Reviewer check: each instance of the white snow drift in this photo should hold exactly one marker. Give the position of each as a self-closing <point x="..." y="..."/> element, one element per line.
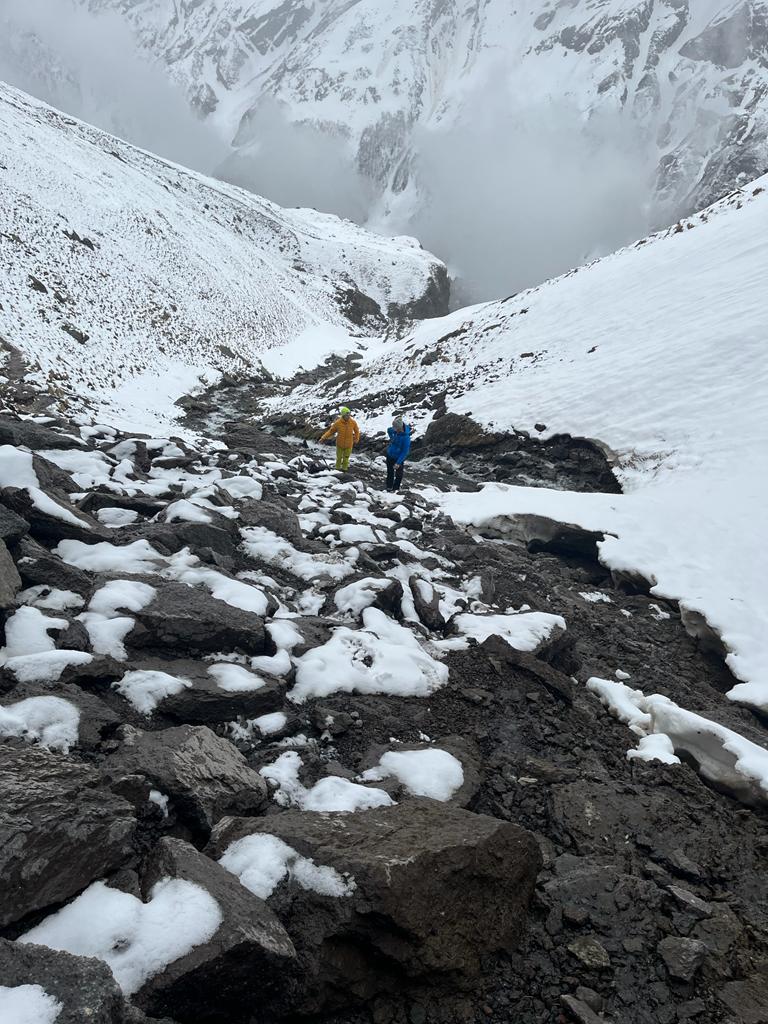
<point x="329" y="794"/>
<point x="261" y="862"/>
<point x="28" y="1004"/>
<point x="51" y="721"/>
<point x="383" y="657"/>
<point x="30" y="653"/>
<point x="723" y="756"/>
<point x="133" y="938"/>
<point x="434" y="773"/>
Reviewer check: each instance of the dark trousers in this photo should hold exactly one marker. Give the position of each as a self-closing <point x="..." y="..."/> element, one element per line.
<point x="394" y="474"/>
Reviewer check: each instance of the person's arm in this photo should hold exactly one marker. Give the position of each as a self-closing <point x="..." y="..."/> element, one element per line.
<point x="406" y="447"/>
<point x="355" y="432"/>
<point x="331" y="431"/>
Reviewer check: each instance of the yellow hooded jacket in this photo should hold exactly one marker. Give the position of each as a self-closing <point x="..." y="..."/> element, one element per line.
<point x="347" y="432"/>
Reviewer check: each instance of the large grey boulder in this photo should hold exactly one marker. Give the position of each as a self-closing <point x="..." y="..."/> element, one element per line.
<point x="682" y="956"/>
<point x="52" y="478"/>
<point x="38" y="566"/>
<point x="220" y="535"/>
<point x="205" y="776"/>
<point x="12" y="526"/>
<point x="50" y="528"/>
<point x="34" y="435"/>
<point x="274" y="516"/>
<point x="241" y="966"/>
<point x="10" y="581"/>
<point x="188" y="620"/>
<point x="83" y="986"/>
<point x="205" y="701"/>
<point x="59" y="829"/>
<point x="434" y="888"/>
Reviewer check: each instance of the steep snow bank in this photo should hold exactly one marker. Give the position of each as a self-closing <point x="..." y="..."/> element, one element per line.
<point x="126" y="278"/>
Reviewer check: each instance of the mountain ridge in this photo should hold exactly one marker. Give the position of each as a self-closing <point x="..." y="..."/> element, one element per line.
<point x="693" y="77"/>
<point x="123" y="269"/>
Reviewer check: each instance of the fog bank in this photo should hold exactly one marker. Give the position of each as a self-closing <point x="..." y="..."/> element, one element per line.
<point x="514" y="197"/>
<point x="90" y="66"/>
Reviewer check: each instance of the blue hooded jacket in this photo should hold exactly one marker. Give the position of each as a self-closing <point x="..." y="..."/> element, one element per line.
<point x="399" y="443"/>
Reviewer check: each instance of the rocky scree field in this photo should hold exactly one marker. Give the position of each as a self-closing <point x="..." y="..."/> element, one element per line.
<point x="278" y="745"/>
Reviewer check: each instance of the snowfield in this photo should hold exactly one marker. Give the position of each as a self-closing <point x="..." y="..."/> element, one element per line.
<point x="658" y="352"/>
<point x="127" y="279"/>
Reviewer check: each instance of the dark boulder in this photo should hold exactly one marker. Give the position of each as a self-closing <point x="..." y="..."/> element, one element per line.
<point x="95" y="500"/>
<point x="581" y="1011"/>
<point x="205" y="776"/>
<point x="191" y="621"/>
<point x="315" y="631"/>
<point x="531" y="669"/>
<point x="10" y="581"/>
<point x="34" y="435"/>
<point x="240" y="967"/>
<point x="427" y="602"/>
<point x="12" y="526"/>
<point x="52" y="478"/>
<point x="383" y="552"/>
<point x="435" y="887"/>
<point x="84" y="986"/>
<point x="205" y="702"/>
<point x="275" y="516"/>
<point x="60" y="829"/>
<point x="38" y="566"/>
<point x="221" y="536"/>
<point x="452" y="431"/>
<point x="682" y="956"/>
<point x="390" y="599"/>
<point x="52" y="527"/>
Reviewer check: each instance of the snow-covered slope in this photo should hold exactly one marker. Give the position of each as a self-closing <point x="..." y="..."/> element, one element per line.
<point x="125" y="278"/>
<point x="659" y="351"/>
<point x="694" y="73"/>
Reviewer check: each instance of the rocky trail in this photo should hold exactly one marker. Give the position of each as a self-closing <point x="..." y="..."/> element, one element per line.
<point x="277" y="745"/>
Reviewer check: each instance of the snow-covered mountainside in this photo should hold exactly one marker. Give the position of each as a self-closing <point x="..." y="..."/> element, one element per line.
<point x="693" y="73"/>
<point x="126" y="278"/>
<point x="659" y="352"/>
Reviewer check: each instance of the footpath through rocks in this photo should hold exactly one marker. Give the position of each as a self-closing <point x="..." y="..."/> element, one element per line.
<point x="277" y="745"/>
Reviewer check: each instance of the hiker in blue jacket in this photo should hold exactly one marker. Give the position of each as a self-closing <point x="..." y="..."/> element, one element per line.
<point x="397" y="452"/>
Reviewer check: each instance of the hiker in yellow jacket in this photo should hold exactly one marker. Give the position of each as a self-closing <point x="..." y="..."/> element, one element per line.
<point x="347" y="435"/>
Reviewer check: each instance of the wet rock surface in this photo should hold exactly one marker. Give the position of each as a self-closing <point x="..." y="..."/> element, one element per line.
<point x="241" y="964"/>
<point x="528" y="871"/>
<point x="83" y="987"/>
<point x="195" y="622"/>
<point x="432" y="889"/>
<point x="61" y="829"/>
<point x="204" y="774"/>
